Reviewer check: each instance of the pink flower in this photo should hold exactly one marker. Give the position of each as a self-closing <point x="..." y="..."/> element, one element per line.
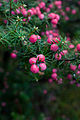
<point x="78" y="72"/>
<point x="67" y="9"/>
<point x="54" y="76"/>
<point x="34" y="68"/>
<point x="49" y="40"/>
<point x="71" y="46"/>
<point x="57" y="17"/>
<point x="55" y="34"/>
<point x="50" y="80"/>
<point x="66" y="18"/>
<point x="42" y="33"/>
<point x="17" y="11"/>
<point x="32" y="60"/>
<point x="43" y="66"/>
<point x="47" y="32"/>
<point x="34" y="11"/>
<point x="38" y="12"/>
<point x="78" y="47"/>
<point x="24" y="12"/>
<point x="41" y="16"/>
<point x="5" y="21"/>
<point x="41" y="57"/>
<point x="50" y="31"/>
<point x="54" y="21"/>
<point x="72" y="67"/>
<point x="60" y="81"/>
<point x="63" y="13"/>
<point x="58" y="3"/>
<point x="42" y="5"/>
<point x="72" y="82"/>
<point x="54" y="47"/>
<point x="24" y="20"/>
<point x="30" y="11"/>
<point x="73" y="11"/>
<point x="38" y="37"/>
<point x="68" y="38"/>
<point x="33" y="38"/>
<point x="13" y="55"/>
<point x="78" y="85"/>
<point x="52" y="15"/>
<point x="0" y="4"/>
<point x="59" y="6"/>
<point x="58" y="56"/>
<point x="64" y="52"/>
<point x="45" y="91"/>
<point x="47" y="10"/>
<point x="12" y="12"/>
<point x="50" y="6"/>
<point x="69" y="76"/>
<point x="54" y="70"/>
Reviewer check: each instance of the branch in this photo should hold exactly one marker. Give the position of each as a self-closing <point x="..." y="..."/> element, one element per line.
<point x="72" y="59"/>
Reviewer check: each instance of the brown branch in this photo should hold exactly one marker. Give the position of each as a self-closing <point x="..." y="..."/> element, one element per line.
<point x="72" y="59"/>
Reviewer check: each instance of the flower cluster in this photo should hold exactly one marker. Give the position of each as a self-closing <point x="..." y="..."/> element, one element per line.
<point x="55" y="77"/>
<point x="38" y="63"/>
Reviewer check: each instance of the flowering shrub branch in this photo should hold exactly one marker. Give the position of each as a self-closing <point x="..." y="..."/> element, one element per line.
<point x="33" y="32"/>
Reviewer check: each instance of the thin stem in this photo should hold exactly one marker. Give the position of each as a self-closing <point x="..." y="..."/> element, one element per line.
<point x="10" y="7"/>
<point x="32" y="32"/>
<point x="72" y="59"/>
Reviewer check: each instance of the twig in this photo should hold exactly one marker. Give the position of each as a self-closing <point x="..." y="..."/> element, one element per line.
<point x="10" y="7"/>
<point x="72" y="59"/>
